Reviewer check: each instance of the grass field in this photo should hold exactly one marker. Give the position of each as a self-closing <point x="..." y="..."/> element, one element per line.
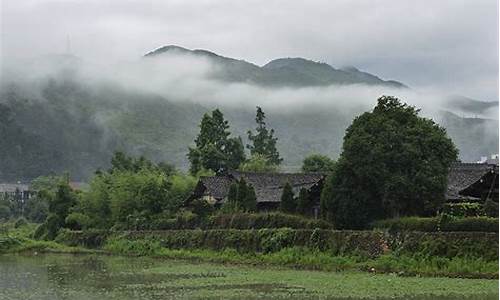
<point x="64" y="276"/>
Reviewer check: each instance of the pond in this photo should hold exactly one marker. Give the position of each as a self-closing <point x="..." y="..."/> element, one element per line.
<point x="64" y="276"/>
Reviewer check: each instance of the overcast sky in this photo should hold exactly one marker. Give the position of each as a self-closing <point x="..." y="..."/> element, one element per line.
<point x="446" y="45"/>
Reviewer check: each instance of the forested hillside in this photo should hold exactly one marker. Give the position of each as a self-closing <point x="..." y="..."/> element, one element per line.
<point x="59" y="123"/>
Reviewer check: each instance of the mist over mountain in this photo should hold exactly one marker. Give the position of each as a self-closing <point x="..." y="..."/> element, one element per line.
<point x="61" y="113"/>
<point x="281" y="72"/>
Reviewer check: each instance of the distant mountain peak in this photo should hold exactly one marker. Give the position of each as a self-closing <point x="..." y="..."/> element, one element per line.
<point x="350" y="69"/>
<point x="168" y="48"/>
<point x="287" y="71"/>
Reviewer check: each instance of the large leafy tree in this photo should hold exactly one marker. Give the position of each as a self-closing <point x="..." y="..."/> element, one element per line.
<point x="394" y="163"/>
<point x="318" y="163"/>
<point x="214" y="149"/>
<point x="263" y="141"/>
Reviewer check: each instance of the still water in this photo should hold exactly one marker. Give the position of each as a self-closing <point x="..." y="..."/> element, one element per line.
<point x="61" y="276"/>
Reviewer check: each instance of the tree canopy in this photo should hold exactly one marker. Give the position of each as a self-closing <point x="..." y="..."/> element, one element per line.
<point x="393" y="163"/>
<point x="263" y="141"/>
<point x="215" y="150"/>
<point x="258" y="163"/>
<point x="318" y="163"/>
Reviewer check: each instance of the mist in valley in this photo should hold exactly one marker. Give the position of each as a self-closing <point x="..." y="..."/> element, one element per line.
<point x="79" y="111"/>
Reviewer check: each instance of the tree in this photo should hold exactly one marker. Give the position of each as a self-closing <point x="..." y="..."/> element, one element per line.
<point x="251" y="199"/>
<point x="303" y="202"/>
<point x="232" y="195"/>
<point x="318" y="163"/>
<point x="258" y="163"/>
<point x="264" y="142"/>
<point x="241" y="196"/>
<point x="394" y="163"/>
<point x="214" y="149"/>
<point x="288" y="204"/>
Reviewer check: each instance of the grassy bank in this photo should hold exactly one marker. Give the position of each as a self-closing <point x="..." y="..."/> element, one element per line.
<point x="304" y="258"/>
<point x="425" y="254"/>
<point x="18" y="239"/>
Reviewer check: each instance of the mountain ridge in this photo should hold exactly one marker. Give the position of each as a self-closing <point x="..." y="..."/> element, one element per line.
<point x="286" y="71"/>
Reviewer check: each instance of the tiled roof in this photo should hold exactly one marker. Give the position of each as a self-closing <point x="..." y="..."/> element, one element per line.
<point x="216" y="186"/>
<point x="268" y="186"/>
<point x="463" y="175"/>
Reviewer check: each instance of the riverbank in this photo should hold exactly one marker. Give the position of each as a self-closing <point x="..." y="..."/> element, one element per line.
<point x="460" y="255"/>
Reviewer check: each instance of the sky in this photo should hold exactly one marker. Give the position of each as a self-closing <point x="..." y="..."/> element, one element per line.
<point x="450" y="46"/>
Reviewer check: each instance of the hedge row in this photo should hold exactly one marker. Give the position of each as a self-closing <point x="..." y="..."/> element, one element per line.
<point x="189" y="220"/>
<point x="264" y="220"/>
<point x="443" y="224"/>
<point x="363" y="243"/>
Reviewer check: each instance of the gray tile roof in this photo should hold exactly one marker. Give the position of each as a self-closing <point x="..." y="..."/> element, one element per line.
<point x="268" y="186"/>
<point x="463" y="175"/>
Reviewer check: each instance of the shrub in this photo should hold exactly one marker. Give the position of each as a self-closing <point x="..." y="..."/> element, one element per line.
<point x="40" y="231"/>
<point x="407" y="224"/>
<point x="442" y="223"/>
<point x="53" y="224"/>
<point x="484" y="224"/>
<point x="465" y="209"/>
<point x="77" y="221"/>
<point x="20" y="222"/>
<point x="87" y="238"/>
<point x="264" y="220"/>
<point x="275" y="240"/>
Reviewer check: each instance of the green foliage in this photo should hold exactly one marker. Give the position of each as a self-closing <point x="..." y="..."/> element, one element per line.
<point x="40" y="231"/>
<point x="133" y="247"/>
<point x="232" y="195"/>
<point x="90" y="238"/>
<point x="479" y="224"/>
<point x="214" y="149"/>
<point x="37" y="208"/>
<point x="53" y="224"/>
<point x="304" y="203"/>
<point x="363" y="244"/>
<point x="263" y="220"/>
<point x="463" y="209"/>
<point x="20" y="222"/>
<point x="263" y="141"/>
<point x="63" y="200"/>
<point x="4" y="211"/>
<point x="288" y="203"/>
<point x="180" y="189"/>
<point x="394" y="163"/>
<point x="134" y="194"/>
<point x="201" y="208"/>
<point x="241" y="197"/>
<point x="49" y="183"/>
<point x="77" y="221"/>
<point x="318" y="163"/>
<point x="258" y="163"/>
<point x="490" y="208"/>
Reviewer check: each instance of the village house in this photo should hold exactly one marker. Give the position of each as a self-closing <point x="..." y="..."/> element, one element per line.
<point x="466" y="182"/>
<point x="18" y="190"/>
<point x="472" y="182"/>
<point x="268" y="187"/>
